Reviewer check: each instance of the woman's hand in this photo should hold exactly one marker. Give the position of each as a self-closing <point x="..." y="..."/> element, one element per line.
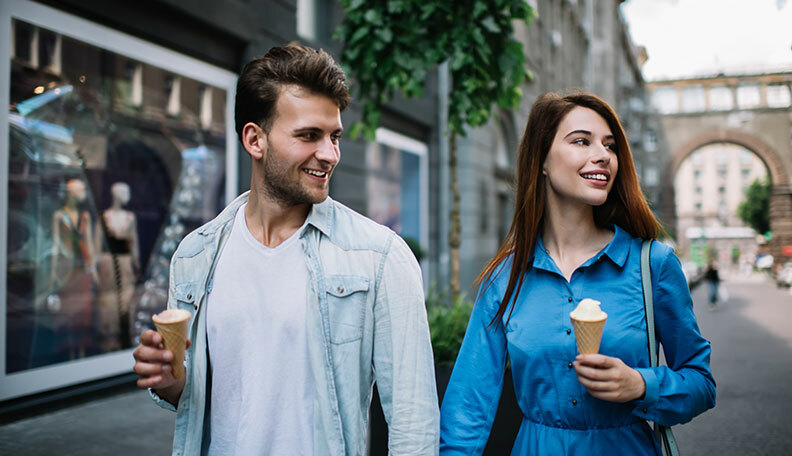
<point x="608" y="378"/>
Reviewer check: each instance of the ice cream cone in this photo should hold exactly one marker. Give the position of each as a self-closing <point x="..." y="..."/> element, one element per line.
<point x="588" y="335"/>
<point x="172" y="326"/>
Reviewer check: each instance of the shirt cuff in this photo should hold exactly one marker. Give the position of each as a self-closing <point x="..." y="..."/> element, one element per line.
<point x="160" y="401"/>
<point x="645" y="407"/>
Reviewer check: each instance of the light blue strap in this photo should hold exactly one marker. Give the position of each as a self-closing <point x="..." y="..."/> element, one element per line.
<point x="664" y="433"/>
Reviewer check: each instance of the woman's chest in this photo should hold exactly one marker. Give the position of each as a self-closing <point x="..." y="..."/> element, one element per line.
<point x="540" y="329"/>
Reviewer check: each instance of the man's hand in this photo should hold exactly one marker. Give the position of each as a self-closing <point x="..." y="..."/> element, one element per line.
<point x="608" y="378"/>
<point x="152" y="365"/>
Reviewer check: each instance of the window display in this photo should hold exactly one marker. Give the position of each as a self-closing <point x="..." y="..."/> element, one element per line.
<point x="395" y="184"/>
<point x="113" y="156"/>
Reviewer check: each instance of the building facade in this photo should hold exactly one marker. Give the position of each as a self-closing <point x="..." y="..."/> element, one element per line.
<point x="572" y="44"/>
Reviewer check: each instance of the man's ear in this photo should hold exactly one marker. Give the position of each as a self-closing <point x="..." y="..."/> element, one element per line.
<point x="254" y="140"/>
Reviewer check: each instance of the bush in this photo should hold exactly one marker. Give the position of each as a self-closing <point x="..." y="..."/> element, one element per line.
<point x="447" y="323"/>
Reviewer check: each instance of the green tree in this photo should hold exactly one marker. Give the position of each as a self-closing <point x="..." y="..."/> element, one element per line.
<point x="755" y="208"/>
<point x="391" y="45"/>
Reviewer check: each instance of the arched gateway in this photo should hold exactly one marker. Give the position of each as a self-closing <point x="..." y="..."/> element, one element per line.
<point x="720" y="109"/>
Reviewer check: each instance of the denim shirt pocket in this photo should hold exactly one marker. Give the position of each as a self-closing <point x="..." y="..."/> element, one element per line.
<point x="346" y="303"/>
<point x="185" y="294"/>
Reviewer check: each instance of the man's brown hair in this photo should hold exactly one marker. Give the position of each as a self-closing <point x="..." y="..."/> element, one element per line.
<point x="261" y="81"/>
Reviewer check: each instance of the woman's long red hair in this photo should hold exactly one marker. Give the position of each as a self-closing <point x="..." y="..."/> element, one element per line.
<point x="625" y="206"/>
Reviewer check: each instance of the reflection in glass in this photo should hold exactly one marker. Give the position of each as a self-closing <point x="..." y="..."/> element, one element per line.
<point x="111" y="162"/>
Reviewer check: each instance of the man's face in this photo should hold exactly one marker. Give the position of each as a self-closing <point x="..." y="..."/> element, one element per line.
<point x="302" y="147"/>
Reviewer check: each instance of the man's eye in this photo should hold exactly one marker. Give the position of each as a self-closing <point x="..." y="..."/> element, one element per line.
<point x="335" y="138"/>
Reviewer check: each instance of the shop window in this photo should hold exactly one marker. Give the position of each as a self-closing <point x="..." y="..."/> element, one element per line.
<point x="396" y="184"/>
<point x="98" y="195"/>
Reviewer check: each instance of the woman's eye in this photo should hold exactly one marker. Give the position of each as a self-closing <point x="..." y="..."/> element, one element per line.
<point x="611" y="147"/>
<point x="580" y="141"/>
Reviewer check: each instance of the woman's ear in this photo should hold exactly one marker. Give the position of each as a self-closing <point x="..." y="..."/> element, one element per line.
<point x="254" y="140"/>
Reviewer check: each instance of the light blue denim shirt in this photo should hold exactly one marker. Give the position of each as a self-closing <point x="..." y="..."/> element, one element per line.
<point x="366" y="321"/>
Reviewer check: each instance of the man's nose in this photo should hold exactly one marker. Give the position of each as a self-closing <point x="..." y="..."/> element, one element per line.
<point x="328" y="151"/>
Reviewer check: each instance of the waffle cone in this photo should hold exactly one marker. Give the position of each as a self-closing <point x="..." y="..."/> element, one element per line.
<point x="174" y="335"/>
<point x="588" y="335"/>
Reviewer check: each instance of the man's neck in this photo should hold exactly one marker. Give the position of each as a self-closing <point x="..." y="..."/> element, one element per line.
<point x="270" y="222"/>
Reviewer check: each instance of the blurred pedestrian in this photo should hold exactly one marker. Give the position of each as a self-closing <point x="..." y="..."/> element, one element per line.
<point x="712" y="278"/>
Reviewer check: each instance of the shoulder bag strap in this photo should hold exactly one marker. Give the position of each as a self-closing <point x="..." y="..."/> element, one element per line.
<point x="664" y="433"/>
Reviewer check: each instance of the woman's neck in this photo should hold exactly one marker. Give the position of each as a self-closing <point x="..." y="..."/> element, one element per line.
<point x="571" y="237"/>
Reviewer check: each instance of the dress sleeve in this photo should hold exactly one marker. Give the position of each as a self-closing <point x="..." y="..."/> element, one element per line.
<point x="684" y="388"/>
<point x="471" y="399"/>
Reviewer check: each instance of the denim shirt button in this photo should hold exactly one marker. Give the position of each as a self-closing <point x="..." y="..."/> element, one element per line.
<point x="340" y="289"/>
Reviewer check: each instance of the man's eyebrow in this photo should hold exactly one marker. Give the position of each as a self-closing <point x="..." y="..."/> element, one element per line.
<point x="315" y="130"/>
<point x="585" y="132"/>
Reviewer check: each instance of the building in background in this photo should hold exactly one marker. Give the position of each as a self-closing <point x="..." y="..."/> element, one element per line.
<point x="710" y="184"/>
<point x="582" y="44"/>
<point x="723" y="131"/>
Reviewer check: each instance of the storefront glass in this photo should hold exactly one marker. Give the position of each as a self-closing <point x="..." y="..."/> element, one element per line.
<point x="112" y="158"/>
<point x="395" y="184"/>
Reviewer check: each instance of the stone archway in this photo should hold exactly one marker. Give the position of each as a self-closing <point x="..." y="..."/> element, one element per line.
<point x="781" y="193"/>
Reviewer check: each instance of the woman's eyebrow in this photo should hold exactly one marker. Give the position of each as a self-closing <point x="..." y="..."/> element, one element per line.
<point x="585" y="132"/>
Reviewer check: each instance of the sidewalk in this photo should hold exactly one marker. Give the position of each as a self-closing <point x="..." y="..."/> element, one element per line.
<point x="122" y="424"/>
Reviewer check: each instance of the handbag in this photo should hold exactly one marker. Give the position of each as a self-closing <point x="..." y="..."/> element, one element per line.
<point x="663" y="433"/>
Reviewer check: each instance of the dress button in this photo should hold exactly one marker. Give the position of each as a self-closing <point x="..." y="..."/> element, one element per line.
<point x="569" y="331"/>
<point x="574" y="401"/>
<point x="569" y="365"/>
<point x="569" y="299"/>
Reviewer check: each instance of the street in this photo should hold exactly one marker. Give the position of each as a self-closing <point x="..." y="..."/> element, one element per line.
<point x="752" y="365"/>
<point x="751" y="361"/>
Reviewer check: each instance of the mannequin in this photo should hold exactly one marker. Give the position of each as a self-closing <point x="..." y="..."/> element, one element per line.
<point x="119" y="266"/>
<point x="72" y="272"/>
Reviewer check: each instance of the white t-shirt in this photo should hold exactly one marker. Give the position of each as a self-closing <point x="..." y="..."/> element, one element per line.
<point x="262" y="389"/>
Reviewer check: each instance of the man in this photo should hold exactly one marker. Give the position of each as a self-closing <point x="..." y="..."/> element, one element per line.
<point x="299" y="304"/>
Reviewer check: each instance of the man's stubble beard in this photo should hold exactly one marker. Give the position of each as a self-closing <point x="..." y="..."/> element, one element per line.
<point x="280" y="187"/>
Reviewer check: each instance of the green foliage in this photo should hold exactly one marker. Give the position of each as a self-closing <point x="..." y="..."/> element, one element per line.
<point x="448" y="319"/>
<point x="755" y="208"/>
<point x="391" y="45"/>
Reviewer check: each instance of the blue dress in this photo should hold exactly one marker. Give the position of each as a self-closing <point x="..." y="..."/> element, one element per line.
<point x="559" y="416"/>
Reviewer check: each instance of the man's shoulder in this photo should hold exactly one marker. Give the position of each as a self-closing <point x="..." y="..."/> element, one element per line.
<point x="354" y="231"/>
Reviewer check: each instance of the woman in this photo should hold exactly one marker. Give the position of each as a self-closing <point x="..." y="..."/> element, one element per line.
<point x="578" y="226"/>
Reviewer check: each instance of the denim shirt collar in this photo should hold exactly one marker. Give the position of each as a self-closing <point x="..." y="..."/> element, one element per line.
<point x="320" y="216"/>
<point x="617" y="251"/>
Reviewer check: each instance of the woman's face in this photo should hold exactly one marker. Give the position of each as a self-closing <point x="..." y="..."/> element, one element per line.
<point x="581" y="165"/>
